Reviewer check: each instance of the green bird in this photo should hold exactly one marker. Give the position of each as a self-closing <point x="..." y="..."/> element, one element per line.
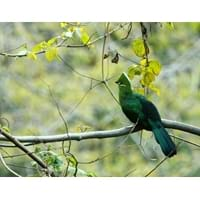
<point x="144" y="114"/>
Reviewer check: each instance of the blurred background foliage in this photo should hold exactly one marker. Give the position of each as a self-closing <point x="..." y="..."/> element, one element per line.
<point x="28" y="106"/>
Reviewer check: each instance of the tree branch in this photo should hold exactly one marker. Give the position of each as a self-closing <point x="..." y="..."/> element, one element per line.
<point x="16" y="142"/>
<point x="15" y="55"/>
<point x="101" y="134"/>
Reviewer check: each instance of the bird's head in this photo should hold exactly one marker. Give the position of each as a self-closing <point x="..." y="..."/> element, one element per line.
<point x="124" y="81"/>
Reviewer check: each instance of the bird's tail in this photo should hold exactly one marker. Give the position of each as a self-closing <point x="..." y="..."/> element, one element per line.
<point x="162" y="137"/>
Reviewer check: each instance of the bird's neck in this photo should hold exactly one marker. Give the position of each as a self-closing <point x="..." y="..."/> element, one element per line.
<point x="124" y="91"/>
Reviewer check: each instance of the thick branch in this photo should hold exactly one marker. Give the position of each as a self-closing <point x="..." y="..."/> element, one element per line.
<point x="102" y="134"/>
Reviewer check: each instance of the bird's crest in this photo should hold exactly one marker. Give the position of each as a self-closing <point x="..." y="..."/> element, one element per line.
<point x="123" y="80"/>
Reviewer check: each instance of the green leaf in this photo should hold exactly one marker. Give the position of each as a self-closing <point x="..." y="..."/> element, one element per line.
<point x="32" y="56"/>
<point x="51" y="53"/>
<point x="138" y="47"/>
<point x="91" y="174"/>
<point x="155" y="66"/>
<point x="37" y="150"/>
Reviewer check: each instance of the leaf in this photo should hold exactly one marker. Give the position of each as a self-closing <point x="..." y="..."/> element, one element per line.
<point x="6" y="129"/>
<point x="140" y="91"/>
<point x="143" y="62"/>
<point x="148" y="77"/>
<point x="91" y="174"/>
<point x="82" y="34"/>
<point x="37" y="150"/>
<point x="170" y="25"/>
<point x="31" y="55"/>
<point x="154" y="89"/>
<point x="52" y="41"/>
<point x="67" y="34"/>
<point x="155" y="66"/>
<point x="138" y="70"/>
<point x="73" y="161"/>
<point x="51" y="53"/>
<point x="40" y="47"/>
<point x="131" y="72"/>
<point x="78" y="31"/>
<point x="73" y="29"/>
<point x="85" y="37"/>
<point x="63" y="24"/>
<point x="138" y="47"/>
<point x="134" y="70"/>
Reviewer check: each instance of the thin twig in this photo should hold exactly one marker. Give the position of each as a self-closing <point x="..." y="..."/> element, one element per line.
<point x="130" y="172"/>
<point x="8" y="168"/>
<point x="186" y="141"/>
<point x="110" y="91"/>
<point x="75" y="71"/>
<point x="103" y="50"/>
<point x="129" y="31"/>
<point x="162" y="161"/>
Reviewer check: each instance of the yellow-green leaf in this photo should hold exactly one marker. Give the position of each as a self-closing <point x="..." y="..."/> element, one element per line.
<point x="72" y="29"/>
<point x="131" y="72"/>
<point x="143" y="62"/>
<point x="140" y="91"/>
<point x="52" y="41"/>
<point x="51" y="53"/>
<point x="32" y="55"/>
<point x="134" y="70"/>
<point x="138" y="47"/>
<point x="155" y="66"/>
<point x="72" y="160"/>
<point x="148" y="77"/>
<point x="40" y="47"/>
<point x="85" y="37"/>
<point x="170" y="25"/>
<point x="63" y="24"/>
<point x="138" y="70"/>
<point x="154" y="89"/>
<point x="6" y="129"/>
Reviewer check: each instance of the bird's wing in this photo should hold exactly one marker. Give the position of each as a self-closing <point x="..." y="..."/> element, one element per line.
<point x="149" y="109"/>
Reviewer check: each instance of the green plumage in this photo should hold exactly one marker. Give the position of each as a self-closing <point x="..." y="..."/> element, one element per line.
<point x="141" y="111"/>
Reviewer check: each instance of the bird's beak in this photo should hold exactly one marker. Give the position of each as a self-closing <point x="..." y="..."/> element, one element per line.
<point x="117" y="82"/>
